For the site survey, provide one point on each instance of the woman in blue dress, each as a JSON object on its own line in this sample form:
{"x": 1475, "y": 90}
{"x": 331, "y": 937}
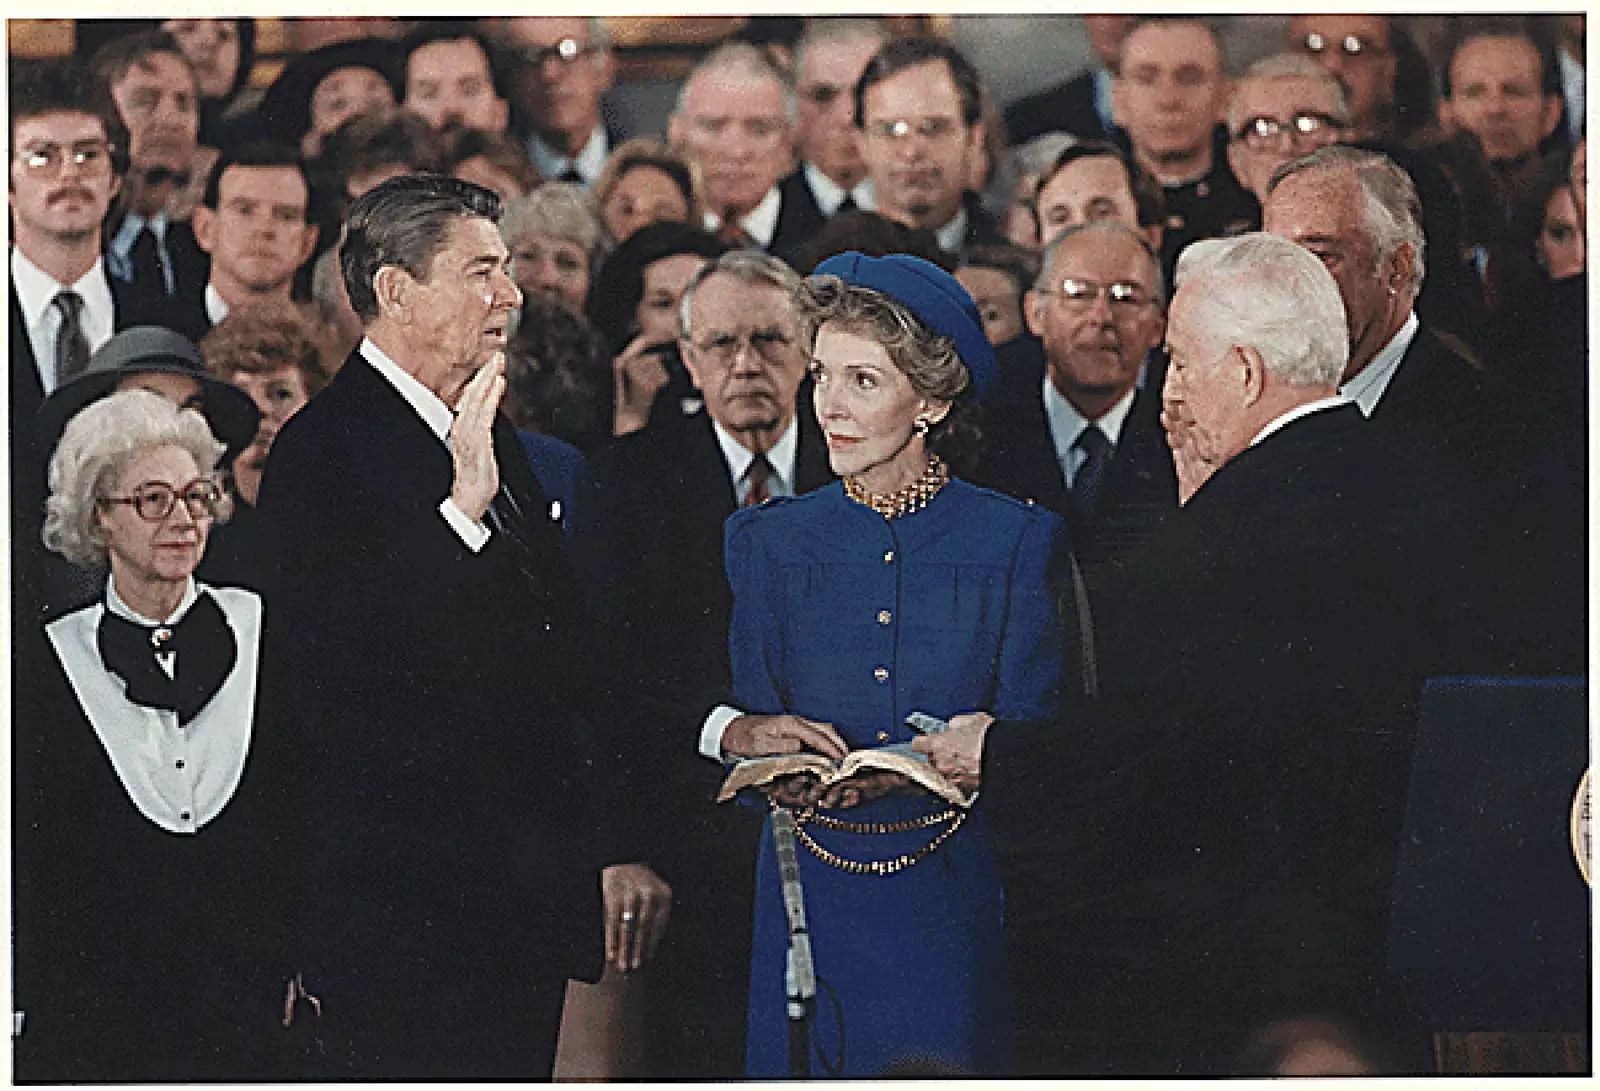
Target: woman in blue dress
{"x": 897, "y": 590}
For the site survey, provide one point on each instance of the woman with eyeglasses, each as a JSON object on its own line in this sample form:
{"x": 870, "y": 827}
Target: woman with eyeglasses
{"x": 137, "y": 946}
{"x": 900, "y": 589}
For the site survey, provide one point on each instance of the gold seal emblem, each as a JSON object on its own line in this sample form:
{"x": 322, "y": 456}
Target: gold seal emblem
{"x": 1581, "y": 850}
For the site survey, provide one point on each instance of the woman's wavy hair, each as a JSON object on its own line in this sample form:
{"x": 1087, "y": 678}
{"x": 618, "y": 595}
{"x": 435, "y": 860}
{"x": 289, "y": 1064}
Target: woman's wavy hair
{"x": 926, "y": 358}
{"x": 97, "y": 446}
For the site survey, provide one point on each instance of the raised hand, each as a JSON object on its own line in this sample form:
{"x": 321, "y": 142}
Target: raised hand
{"x": 477, "y": 475}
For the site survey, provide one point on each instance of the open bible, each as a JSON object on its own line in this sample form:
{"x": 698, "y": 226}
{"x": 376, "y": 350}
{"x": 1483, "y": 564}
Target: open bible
{"x": 899, "y": 758}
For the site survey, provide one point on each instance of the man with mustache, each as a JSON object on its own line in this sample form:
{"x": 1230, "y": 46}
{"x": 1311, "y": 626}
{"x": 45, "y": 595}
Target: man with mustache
{"x": 68, "y": 152}
{"x": 919, "y": 105}
{"x": 158, "y": 99}
{"x": 1087, "y": 441}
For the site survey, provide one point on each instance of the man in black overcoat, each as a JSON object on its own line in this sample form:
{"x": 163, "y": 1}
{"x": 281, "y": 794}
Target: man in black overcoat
{"x": 424, "y": 708}
{"x": 1209, "y": 845}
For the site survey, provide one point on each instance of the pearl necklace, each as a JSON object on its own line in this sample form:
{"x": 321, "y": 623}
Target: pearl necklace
{"x": 914, "y": 497}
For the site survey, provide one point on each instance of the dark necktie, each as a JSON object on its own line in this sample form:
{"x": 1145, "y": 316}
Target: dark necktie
{"x": 758, "y": 476}
{"x": 148, "y": 282}
{"x": 203, "y": 642}
{"x": 1086, "y": 484}
{"x": 72, "y": 347}
{"x": 571, "y": 176}
{"x": 846, "y": 205}
{"x": 734, "y": 237}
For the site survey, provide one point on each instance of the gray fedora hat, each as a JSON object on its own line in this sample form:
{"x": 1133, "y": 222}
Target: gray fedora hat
{"x": 141, "y": 350}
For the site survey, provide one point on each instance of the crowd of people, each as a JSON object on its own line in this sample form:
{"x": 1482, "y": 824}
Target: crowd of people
{"x": 424, "y": 491}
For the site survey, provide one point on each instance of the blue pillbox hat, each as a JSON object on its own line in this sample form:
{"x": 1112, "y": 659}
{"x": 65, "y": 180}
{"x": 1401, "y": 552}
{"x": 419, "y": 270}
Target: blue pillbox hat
{"x": 930, "y": 293}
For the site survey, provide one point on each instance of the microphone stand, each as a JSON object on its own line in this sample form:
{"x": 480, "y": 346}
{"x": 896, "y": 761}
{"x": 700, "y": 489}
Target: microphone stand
{"x": 799, "y": 977}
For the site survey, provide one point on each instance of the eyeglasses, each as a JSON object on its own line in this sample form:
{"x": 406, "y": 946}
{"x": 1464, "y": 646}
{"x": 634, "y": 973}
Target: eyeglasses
{"x": 91, "y": 156}
{"x": 929, "y": 128}
{"x": 772, "y": 345}
{"x": 1263, "y": 132}
{"x": 1124, "y": 296}
{"x": 1351, "y": 45}
{"x": 154, "y": 500}
{"x": 568, "y": 51}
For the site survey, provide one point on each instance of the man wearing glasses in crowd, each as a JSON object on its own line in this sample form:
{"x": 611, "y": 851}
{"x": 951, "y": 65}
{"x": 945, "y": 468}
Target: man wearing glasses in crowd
{"x": 1283, "y": 107}
{"x": 561, "y": 68}
{"x": 68, "y": 153}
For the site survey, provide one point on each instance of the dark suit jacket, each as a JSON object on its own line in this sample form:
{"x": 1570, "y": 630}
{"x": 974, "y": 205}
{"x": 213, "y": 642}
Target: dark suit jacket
{"x": 799, "y": 219}
{"x": 34, "y": 570}
{"x": 422, "y": 713}
{"x": 668, "y": 493}
{"x": 1067, "y": 107}
{"x": 982, "y": 228}
{"x": 1139, "y": 491}
{"x": 1211, "y": 843}
{"x": 182, "y": 312}
{"x": 191, "y": 266}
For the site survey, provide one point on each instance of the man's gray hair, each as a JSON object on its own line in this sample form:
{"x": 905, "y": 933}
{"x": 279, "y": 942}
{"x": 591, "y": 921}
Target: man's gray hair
{"x": 1291, "y": 66}
{"x": 750, "y": 267}
{"x": 1047, "y": 266}
{"x": 559, "y": 210}
{"x": 1272, "y": 295}
{"x": 738, "y": 59}
{"x": 821, "y": 33}
{"x": 96, "y": 447}
{"x": 1391, "y": 210}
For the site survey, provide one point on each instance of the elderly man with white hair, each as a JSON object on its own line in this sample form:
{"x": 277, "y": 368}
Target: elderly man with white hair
{"x": 1208, "y": 844}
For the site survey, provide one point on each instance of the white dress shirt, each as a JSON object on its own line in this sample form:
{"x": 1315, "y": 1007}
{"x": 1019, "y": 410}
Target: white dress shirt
{"x": 216, "y": 306}
{"x": 178, "y": 777}
{"x": 760, "y": 223}
{"x": 1067, "y": 424}
{"x": 1366, "y": 387}
{"x": 782, "y": 456}
{"x": 1283, "y": 420}
{"x": 828, "y": 194}
{"x": 36, "y": 292}
{"x": 589, "y": 161}
{"x": 120, "y": 252}
{"x": 437, "y": 416}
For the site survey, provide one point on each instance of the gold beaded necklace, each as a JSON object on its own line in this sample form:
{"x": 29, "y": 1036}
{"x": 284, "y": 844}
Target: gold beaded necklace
{"x": 914, "y": 497}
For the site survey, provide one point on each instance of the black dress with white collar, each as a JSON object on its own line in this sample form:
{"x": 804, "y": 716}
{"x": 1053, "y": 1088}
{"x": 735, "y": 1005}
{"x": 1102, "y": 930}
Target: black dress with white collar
{"x": 142, "y": 949}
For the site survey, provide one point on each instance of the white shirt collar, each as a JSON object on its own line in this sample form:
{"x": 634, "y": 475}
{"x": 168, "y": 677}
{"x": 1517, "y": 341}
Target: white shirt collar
{"x": 782, "y": 458}
{"x": 1067, "y": 424}
{"x": 117, "y": 606}
{"x": 216, "y": 306}
{"x": 36, "y": 292}
{"x": 953, "y": 234}
{"x": 132, "y": 224}
{"x": 1366, "y": 387}
{"x": 1285, "y": 419}
{"x": 434, "y": 413}
{"x": 828, "y": 194}
{"x": 760, "y": 223}
{"x": 589, "y": 161}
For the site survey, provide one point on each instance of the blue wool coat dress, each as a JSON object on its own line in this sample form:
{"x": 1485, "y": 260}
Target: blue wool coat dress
{"x": 845, "y": 617}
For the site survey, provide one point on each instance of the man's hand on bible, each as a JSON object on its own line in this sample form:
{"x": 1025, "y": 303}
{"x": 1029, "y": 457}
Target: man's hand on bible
{"x": 764, "y": 736}
{"x": 958, "y": 752}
